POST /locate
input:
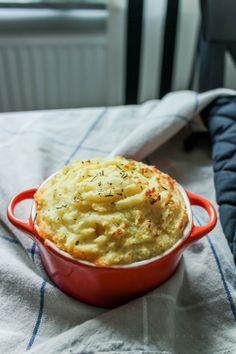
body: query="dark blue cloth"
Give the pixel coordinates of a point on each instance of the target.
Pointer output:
(220, 118)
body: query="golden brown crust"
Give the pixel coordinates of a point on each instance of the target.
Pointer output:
(111, 211)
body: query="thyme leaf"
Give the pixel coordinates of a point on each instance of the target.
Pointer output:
(94, 177)
(62, 206)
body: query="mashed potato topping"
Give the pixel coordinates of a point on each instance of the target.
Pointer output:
(111, 211)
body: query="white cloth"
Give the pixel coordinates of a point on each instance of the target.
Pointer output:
(193, 312)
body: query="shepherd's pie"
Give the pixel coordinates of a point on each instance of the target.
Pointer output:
(111, 211)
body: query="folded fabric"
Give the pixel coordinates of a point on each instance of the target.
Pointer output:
(174, 111)
(220, 118)
(194, 311)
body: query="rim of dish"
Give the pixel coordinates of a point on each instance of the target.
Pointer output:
(121, 266)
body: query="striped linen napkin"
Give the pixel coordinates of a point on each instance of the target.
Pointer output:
(193, 312)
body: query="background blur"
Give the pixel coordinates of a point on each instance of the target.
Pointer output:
(59, 53)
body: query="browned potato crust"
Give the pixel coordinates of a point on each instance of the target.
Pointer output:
(111, 211)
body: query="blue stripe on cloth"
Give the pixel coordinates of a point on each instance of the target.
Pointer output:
(62, 143)
(32, 251)
(39, 317)
(227, 291)
(10, 239)
(229, 296)
(29, 250)
(93, 125)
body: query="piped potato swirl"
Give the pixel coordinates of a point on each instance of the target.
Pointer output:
(111, 211)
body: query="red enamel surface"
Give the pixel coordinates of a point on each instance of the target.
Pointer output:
(109, 287)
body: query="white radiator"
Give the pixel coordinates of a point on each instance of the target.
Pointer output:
(56, 71)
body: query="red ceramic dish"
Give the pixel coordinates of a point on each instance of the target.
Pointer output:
(111, 286)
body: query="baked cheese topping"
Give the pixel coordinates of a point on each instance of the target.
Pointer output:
(111, 211)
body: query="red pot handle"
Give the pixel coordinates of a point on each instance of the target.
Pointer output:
(199, 231)
(24, 225)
